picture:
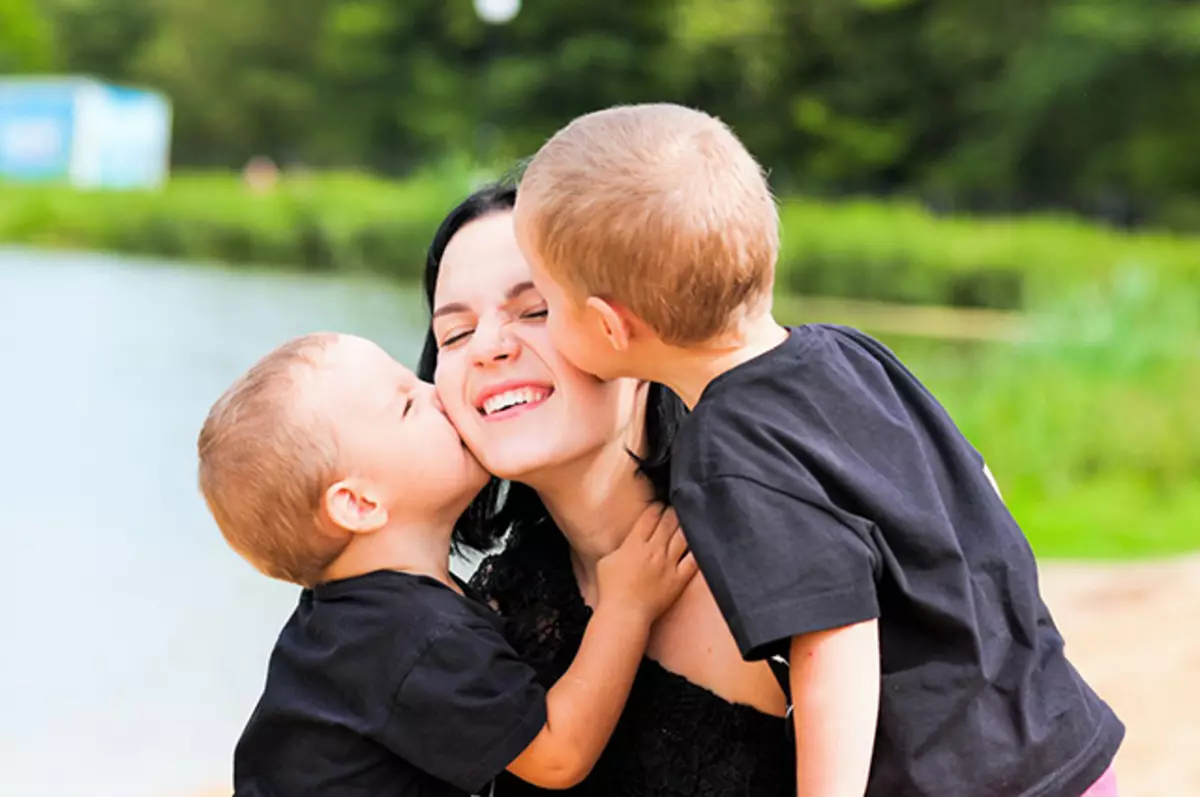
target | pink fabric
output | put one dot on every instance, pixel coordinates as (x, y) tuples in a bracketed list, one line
[(1105, 787)]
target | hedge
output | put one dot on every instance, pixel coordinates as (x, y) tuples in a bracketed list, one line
[(885, 251)]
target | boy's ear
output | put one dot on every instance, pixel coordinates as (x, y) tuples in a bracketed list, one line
[(353, 505), (611, 320)]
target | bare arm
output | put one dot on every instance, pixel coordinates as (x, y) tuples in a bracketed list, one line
[(637, 583), (835, 689), (583, 707)]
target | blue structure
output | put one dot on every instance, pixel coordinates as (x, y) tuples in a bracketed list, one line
[(83, 131)]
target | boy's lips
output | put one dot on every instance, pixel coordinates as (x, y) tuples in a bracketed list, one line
[(508, 399)]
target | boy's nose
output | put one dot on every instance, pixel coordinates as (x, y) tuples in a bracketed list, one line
[(428, 395)]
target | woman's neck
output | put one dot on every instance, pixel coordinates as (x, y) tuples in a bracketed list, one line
[(595, 503)]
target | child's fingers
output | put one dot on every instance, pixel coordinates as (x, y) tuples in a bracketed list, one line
[(668, 524), (687, 567), (649, 521), (677, 547)]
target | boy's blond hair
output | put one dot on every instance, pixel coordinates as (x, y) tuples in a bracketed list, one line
[(658, 208), (265, 463)]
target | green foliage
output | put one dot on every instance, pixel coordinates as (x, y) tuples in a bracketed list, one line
[(892, 252), (1092, 428), (1087, 104), (26, 44), (902, 252), (1081, 105), (336, 222)]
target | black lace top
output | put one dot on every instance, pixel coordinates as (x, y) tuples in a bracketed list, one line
[(674, 738)]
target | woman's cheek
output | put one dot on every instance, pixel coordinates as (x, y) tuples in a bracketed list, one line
[(447, 379)]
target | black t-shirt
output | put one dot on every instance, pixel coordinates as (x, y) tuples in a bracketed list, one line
[(388, 684), (821, 485)]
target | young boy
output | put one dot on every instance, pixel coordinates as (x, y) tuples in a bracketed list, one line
[(839, 516), (331, 466)]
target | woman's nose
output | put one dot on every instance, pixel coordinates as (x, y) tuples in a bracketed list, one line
[(493, 343)]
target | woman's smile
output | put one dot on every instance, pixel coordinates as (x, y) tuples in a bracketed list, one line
[(509, 399)]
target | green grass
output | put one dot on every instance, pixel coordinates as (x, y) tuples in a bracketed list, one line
[(1092, 428)]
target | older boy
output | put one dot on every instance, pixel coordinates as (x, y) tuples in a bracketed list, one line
[(331, 466), (836, 511)]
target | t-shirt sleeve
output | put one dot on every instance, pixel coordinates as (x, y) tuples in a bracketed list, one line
[(467, 708), (779, 566)]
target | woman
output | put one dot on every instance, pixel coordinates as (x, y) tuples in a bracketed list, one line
[(699, 720)]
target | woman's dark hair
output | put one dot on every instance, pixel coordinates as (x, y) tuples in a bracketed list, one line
[(503, 507)]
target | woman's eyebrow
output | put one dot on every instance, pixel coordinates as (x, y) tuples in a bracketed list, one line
[(450, 309), (518, 289), (509, 295)]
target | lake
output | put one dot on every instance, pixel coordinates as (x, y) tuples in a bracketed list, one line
[(134, 641)]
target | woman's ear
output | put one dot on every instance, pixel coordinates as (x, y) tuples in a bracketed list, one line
[(354, 505)]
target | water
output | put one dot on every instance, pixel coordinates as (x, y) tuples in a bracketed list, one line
[(133, 642)]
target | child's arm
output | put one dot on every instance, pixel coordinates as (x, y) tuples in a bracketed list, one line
[(637, 583), (835, 692), (793, 573)]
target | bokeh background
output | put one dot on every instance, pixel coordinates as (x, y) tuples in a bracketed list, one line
[(1007, 192)]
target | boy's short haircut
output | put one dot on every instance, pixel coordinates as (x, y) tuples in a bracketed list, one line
[(658, 208), (265, 462)]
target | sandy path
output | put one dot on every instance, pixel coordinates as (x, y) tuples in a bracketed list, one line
[(1133, 630)]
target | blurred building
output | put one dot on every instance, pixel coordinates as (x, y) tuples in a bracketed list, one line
[(84, 132)]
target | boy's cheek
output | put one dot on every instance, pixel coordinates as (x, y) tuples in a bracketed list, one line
[(588, 355), (569, 337), (561, 328)]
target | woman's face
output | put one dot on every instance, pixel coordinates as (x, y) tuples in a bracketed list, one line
[(521, 408)]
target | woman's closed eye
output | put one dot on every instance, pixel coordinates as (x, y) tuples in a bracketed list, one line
[(459, 334), (455, 335)]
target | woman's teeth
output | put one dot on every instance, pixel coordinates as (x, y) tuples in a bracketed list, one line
[(513, 398)]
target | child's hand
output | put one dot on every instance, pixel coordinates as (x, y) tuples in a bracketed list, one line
[(650, 569)]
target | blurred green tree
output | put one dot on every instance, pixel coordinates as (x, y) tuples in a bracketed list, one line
[(26, 43), (1087, 104)]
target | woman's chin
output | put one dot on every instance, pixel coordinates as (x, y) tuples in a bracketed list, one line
[(520, 465), (476, 475)]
